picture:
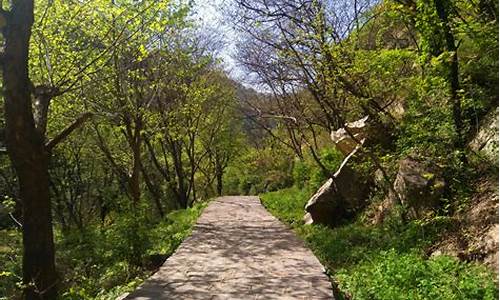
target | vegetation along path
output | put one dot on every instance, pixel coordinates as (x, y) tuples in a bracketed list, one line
[(238, 251)]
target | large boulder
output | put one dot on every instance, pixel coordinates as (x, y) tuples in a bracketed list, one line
[(419, 185), (318, 208), (363, 131), (344, 141), (346, 192), (338, 199)]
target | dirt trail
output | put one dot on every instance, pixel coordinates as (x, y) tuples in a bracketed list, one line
[(238, 251)]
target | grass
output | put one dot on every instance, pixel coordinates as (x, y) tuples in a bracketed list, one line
[(102, 262), (384, 262)]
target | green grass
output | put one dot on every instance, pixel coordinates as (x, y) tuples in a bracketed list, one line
[(384, 262), (101, 262)]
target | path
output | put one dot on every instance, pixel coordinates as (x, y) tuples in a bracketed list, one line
[(238, 251)]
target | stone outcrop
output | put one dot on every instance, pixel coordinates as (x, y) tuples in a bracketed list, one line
[(379, 212), (368, 132), (346, 192), (475, 234), (344, 142), (419, 186), (319, 205), (338, 199)]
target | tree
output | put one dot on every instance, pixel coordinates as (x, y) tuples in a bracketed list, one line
[(26, 115), (28, 153)]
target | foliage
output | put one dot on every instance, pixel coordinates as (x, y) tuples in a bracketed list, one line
[(169, 127), (260, 169), (10, 262), (393, 275), (306, 172), (104, 262), (331, 158), (384, 262), (427, 127)]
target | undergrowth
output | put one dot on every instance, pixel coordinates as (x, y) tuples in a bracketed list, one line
[(102, 262), (384, 262)]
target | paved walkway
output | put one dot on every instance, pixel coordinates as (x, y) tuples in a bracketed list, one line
[(238, 251)]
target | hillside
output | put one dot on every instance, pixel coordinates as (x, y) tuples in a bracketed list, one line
[(370, 128)]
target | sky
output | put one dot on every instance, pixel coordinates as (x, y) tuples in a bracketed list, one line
[(208, 14)]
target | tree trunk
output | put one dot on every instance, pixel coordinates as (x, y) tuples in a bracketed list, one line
[(219, 183), (176, 153), (218, 175), (28, 155), (155, 192), (38, 256), (442, 10), (134, 180)]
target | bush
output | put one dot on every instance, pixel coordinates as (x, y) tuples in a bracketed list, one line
[(301, 173), (10, 262), (307, 174), (288, 204), (102, 262), (392, 275), (131, 236)]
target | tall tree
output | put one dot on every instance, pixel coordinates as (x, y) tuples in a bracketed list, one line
[(28, 153)]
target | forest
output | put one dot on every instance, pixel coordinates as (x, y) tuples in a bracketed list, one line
[(120, 122)]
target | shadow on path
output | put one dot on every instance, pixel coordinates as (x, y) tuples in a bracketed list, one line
[(238, 251)]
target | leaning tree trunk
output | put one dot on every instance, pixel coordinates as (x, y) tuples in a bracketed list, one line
[(28, 154)]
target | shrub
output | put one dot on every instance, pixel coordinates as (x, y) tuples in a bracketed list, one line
[(102, 262), (307, 173), (394, 275), (301, 173)]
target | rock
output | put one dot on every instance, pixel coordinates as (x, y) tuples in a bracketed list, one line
[(381, 211), (489, 247), (338, 199), (364, 132), (343, 141), (379, 182), (396, 110), (451, 247), (308, 219), (320, 208), (471, 245), (419, 186), (486, 140), (341, 196), (473, 235)]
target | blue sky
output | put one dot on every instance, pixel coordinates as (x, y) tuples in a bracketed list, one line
[(208, 14)]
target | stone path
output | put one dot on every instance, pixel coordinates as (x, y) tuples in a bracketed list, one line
[(238, 251)]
